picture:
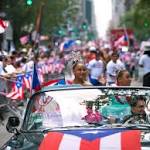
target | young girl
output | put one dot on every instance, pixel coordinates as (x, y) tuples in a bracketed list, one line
[(80, 74)]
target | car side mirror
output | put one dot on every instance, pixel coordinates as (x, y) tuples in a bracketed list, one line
[(12, 123)]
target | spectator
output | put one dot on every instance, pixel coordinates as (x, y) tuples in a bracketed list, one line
[(96, 69), (145, 63), (112, 69), (123, 78), (80, 74), (137, 114), (138, 105), (8, 67)]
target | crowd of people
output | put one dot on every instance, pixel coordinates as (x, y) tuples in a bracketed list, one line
[(96, 66), (90, 66), (100, 71)]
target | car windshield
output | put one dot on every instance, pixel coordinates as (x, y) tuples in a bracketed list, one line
[(85, 107)]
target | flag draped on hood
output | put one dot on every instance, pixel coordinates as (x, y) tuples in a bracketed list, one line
[(106, 139)]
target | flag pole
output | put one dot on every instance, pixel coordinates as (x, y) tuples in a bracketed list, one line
[(38, 24), (126, 34)]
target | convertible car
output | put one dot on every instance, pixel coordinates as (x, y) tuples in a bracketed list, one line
[(83, 118)]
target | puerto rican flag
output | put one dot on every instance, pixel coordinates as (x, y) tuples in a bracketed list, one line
[(122, 41), (27, 80), (44, 68), (17, 89), (50, 83), (59, 82), (36, 86), (40, 75), (3, 25), (106, 139)]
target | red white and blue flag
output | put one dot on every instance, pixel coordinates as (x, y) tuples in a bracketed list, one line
[(122, 41), (3, 25), (107, 139), (50, 83), (35, 80), (28, 80), (59, 82), (17, 89)]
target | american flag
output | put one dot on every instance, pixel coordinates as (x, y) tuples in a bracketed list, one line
[(106, 139), (17, 89)]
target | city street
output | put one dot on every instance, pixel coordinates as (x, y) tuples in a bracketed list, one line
[(75, 43)]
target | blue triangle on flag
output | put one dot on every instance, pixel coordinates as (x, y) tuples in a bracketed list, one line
[(35, 80)]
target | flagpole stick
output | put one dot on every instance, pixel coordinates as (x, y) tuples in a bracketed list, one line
[(126, 33), (32, 80)]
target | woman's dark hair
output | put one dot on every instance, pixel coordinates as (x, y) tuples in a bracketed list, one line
[(74, 64), (134, 100), (24, 60), (18, 64), (1, 58), (115, 54), (147, 53)]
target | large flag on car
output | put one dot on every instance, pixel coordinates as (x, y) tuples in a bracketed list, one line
[(107, 139), (35, 80)]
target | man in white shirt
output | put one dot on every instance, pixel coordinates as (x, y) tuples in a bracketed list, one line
[(120, 64), (96, 69), (112, 69), (145, 63), (9, 68)]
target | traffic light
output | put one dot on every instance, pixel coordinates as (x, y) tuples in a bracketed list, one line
[(146, 24), (29, 2), (84, 26)]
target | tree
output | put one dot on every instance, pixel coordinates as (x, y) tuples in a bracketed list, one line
[(24, 16), (138, 19)]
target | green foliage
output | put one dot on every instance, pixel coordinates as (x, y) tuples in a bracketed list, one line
[(138, 19), (23, 14)]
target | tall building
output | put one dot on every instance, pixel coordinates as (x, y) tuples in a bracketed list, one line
[(118, 9), (129, 3), (88, 11)]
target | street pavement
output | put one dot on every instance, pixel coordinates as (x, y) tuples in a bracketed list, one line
[(136, 82), (3, 132), (5, 135)]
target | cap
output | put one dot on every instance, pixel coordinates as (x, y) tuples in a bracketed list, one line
[(92, 48), (147, 48)]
